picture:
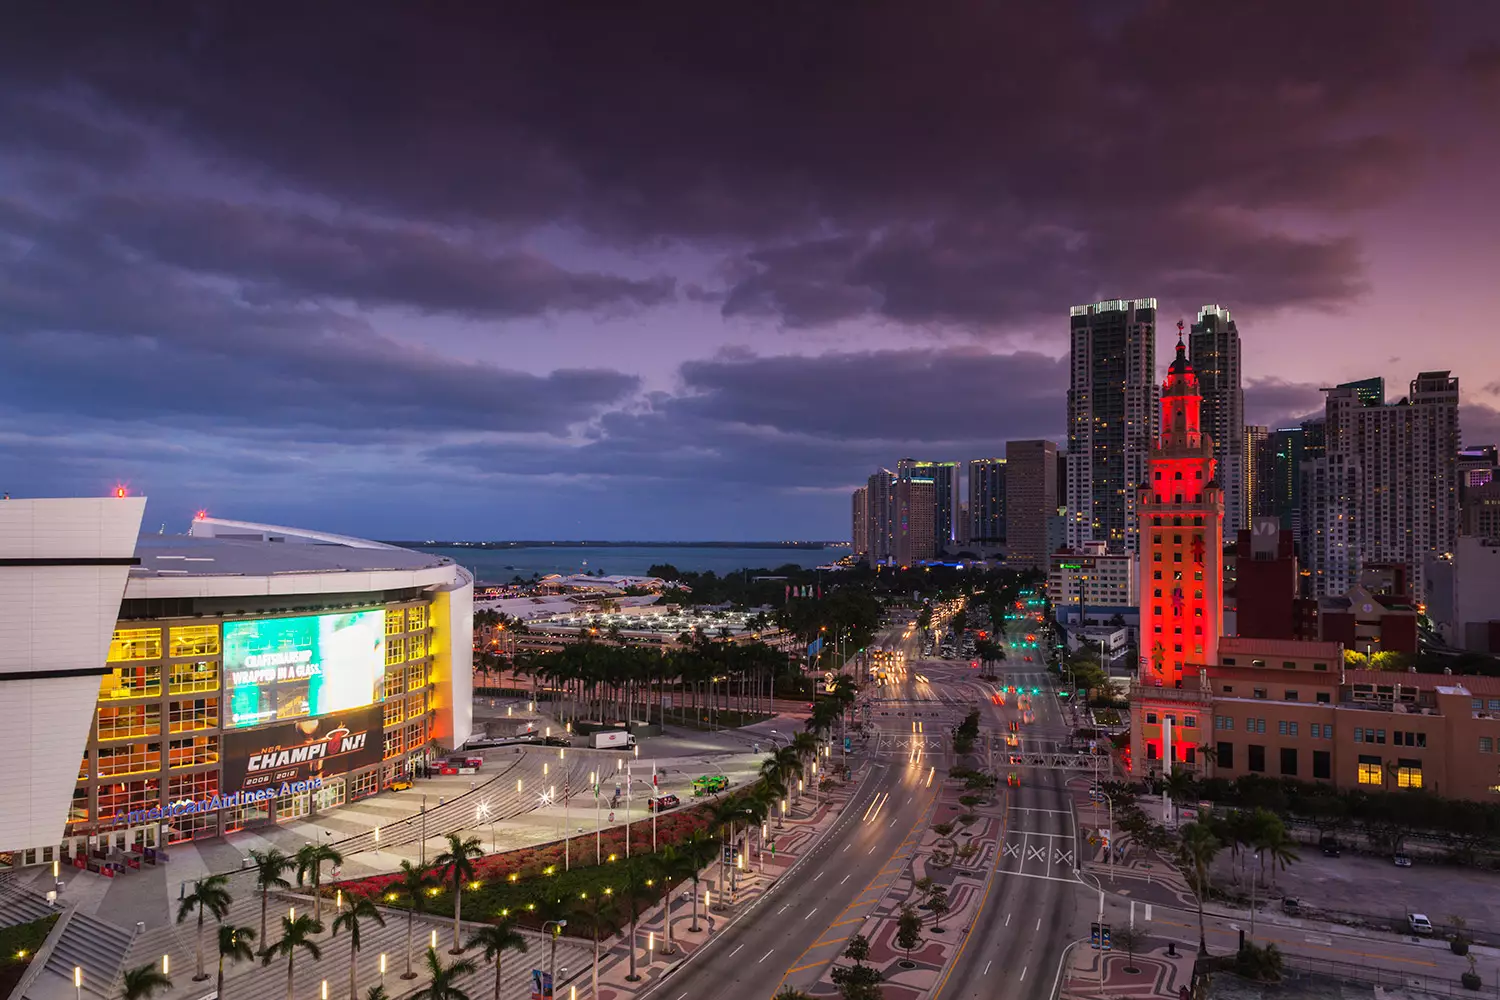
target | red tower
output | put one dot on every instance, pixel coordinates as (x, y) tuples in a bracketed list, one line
[(1181, 512)]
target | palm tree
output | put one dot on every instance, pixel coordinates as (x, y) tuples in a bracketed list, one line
[(310, 858), (496, 940), (413, 883), (1181, 785), (360, 908), (234, 944), (442, 981), (458, 859), (636, 890), (209, 895), (377, 993), (296, 935), (143, 981), (672, 866), (1196, 852), (700, 851), (792, 993), (270, 871), (598, 911), (721, 820)]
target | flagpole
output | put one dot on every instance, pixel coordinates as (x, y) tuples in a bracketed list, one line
[(598, 850), (657, 792), (628, 790), (567, 863)]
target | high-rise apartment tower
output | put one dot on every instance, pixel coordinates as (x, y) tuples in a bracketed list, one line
[(1031, 499), (987, 501), (1214, 350), (859, 532), (944, 476), (1112, 419)]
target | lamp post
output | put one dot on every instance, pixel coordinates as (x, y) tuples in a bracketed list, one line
[(78, 981), (556, 932)]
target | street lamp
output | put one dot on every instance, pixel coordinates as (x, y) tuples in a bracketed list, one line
[(556, 932)]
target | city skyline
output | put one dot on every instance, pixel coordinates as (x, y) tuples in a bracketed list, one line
[(249, 267)]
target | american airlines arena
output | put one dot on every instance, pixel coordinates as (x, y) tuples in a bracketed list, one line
[(233, 677)]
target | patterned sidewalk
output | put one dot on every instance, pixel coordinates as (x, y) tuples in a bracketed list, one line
[(1156, 975), (1145, 876)]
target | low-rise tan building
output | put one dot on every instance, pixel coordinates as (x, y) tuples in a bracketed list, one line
[(1283, 708)]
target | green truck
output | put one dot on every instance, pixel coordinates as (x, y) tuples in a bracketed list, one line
[(709, 784)]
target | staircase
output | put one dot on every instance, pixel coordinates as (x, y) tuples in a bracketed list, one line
[(94, 945), (19, 905)]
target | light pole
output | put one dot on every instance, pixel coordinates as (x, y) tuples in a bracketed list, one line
[(557, 926)]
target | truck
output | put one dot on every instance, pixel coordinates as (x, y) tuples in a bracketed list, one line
[(611, 739)]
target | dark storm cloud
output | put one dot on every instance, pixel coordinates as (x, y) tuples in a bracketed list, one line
[(1274, 402), (823, 422), (917, 156), (298, 255)]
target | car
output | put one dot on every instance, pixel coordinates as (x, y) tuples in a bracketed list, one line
[(556, 741), (662, 803), (1402, 860), (400, 784), (1330, 848), (1013, 780), (1419, 923), (1292, 905)]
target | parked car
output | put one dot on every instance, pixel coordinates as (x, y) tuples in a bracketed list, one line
[(556, 741), (1292, 905), (400, 784), (1330, 848), (1402, 860), (662, 803), (1419, 923)]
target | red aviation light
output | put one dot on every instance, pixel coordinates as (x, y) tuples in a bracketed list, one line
[(120, 492), (202, 515)]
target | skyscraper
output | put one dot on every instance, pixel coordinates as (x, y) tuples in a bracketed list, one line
[(880, 516), (1031, 498), (1255, 465), (1182, 530), (1112, 418), (944, 476), (987, 501), (916, 508), (1214, 350), (1386, 488), (859, 533)]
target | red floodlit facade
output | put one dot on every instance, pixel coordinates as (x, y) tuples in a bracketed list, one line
[(1181, 582)]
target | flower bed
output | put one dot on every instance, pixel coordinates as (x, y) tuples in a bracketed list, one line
[(506, 883)]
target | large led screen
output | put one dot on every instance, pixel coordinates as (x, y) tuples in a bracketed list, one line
[(277, 669), (301, 751)]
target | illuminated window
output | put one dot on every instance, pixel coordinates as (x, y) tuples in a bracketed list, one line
[(416, 618), (416, 676), (142, 680), (195, 640), (192, 751), (125, 721), (1370, 771), (135, 644), (392, 745), (1409, 774), (129, 758), (192, 786), (395, 651), (395, 712), (395, 622), (197, 675), (78, 811), (83, 766), (416, 647), (393, 685), (192, 714), (128, 796), (416, 705)]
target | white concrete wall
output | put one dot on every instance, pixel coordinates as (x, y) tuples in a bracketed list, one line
[(454, 669), (54, 619)]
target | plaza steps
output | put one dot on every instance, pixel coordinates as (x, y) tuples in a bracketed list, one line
[(19, 905)]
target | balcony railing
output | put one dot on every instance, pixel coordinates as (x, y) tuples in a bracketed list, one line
[(1146, 692)]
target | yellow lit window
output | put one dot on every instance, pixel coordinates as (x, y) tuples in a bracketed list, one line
[(131, 758), (392, 745), (193, 750), (1370, 774), (83, 768), (1409, 777), (395, 622), (195, 640), (416, 647), (139, 681), (416, 676), (416, 705), (395, 651), (416, 618), (394, 712), (121, 722), (193, 713), (198, 675), (135, 644), (393, 685)]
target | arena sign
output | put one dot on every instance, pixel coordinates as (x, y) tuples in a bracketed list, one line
[(302, 750), (232, 801)]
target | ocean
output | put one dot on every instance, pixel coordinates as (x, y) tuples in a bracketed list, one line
[(501, 565)]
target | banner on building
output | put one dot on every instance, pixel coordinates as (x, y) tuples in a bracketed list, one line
[(302, 750)]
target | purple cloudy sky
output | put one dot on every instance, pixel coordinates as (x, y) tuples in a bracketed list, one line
[(579, 270)]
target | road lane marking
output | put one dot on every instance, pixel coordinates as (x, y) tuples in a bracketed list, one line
[(843, 880), (802, 968), (735, 952), (782, 910), (810, 913), (872, 849), (817, 876), (1023, 973), (1038, 923), (987, 965), (1007, 920), (846, 847), (762, 959)]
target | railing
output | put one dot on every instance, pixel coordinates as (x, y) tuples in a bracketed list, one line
[(1147, 693), (1298, 966)]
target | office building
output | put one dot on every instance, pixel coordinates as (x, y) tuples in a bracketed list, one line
[(916, 507), (1257, 441), (880, 517), (859, 530), (1181, 588), (1031, 499), (1112, 418), (963, 527), (1475, 596), (1481, 511), (987, 485), (1477, 465), (1214, 350), (213, 656), (1091, 578), (1367, 391), (1266, 586), (944, 477), (1386, 489)]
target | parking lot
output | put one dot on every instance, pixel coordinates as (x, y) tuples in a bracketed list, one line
[(1373, 886)]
